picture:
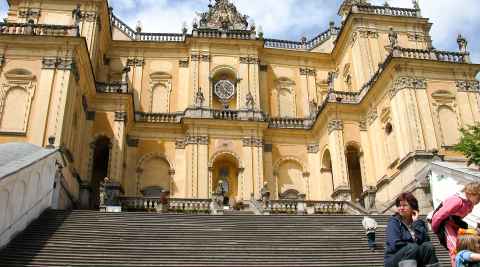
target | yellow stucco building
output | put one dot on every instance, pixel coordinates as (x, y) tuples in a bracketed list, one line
[(352, 114)]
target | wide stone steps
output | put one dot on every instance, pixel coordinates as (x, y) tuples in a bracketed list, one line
[(87, 238)]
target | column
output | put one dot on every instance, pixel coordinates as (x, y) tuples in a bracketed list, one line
[(203, 76), (368, 174), (253, 159), (180, 179), (118, 149), (43, 97), (136, 74), (194, 83), (304, 92), (255, 80), (183, 85), (314, 163), (339, 161), (202, 166), (243, 84), (197, 172), (268, 168), (130, 179)]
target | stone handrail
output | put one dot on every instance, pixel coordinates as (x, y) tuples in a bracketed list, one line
[(159, 117), (158, 204), (115, 87), (28, 179), (386, 10), (122, 26), (346, 97), (38, 29)]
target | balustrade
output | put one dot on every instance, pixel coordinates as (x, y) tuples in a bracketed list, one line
[(388, 11), (225, 114), (158, 117), (116, 87), (298, 123), (326, 207), (38, 29)]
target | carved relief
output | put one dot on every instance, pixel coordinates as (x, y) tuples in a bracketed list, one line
[(313, 148), (308, 72), (195, 57), (223, 15), (29, 13), (249, 60), (138, 62), (407, 83), (372, 115), (195, 140), (205, 58), (335, 125), (468, 86), (180, 144), (363, 125), (120, 116), (252, 142), (368, 34)]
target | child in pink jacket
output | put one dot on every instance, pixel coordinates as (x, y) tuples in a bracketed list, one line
[(448, 217)]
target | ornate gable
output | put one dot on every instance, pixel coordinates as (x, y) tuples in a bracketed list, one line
[(223, 15)]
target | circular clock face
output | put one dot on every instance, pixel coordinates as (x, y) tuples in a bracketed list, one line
[(224, 89)]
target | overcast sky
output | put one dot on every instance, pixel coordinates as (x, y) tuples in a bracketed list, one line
[(291, 19)]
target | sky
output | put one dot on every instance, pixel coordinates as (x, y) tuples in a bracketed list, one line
[(292, 19)]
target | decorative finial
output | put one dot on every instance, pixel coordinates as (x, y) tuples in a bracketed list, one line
[(139, 27), (416, 5), (386, 4), (331, 24), (462, 43), (195, 23), (303, 40)]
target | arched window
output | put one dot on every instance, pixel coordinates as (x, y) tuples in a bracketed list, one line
[(448, 125), (326, 169), (14, 113)]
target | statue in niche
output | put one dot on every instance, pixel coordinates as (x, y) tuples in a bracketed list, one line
[(250, 102), (77, 15), (199, 98)]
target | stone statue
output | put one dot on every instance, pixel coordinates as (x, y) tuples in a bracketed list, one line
[(265, 194), (77, 15), (250, 102), (199, 98), (393, 38), (313, 107), (331, 80), (462, 43), (103, 195), (416, 5)]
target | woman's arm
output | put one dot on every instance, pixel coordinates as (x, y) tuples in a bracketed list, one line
[(475, 257), (421, 231), (450, 206)]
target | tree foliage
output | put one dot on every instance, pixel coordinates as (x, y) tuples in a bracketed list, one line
[(470, 143)]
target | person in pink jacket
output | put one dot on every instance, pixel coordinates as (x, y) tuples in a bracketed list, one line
[(447, 218)]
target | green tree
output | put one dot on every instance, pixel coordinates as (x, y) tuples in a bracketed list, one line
[(470, 143)]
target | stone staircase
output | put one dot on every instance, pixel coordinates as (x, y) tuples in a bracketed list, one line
[(89, 238)]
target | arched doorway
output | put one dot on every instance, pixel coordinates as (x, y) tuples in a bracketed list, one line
[(101, 157), (354, 172), (225, 168)]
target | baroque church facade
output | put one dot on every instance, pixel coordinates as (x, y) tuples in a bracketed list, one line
[(352, 114)]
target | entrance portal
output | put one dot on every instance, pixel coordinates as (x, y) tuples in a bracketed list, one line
[(225, 169), (100, 168)]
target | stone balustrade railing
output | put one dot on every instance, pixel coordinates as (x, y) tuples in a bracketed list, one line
[(186, 205), (122, 26), (447, 56), (308, 45), (116, 87), (159, 117), (326, 207), (158, 204), (143, 204), (160, 37), (225, 114), (283, 206), (291, 123), (38, 29), (346, 97), (230, 34), (386, 10)]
